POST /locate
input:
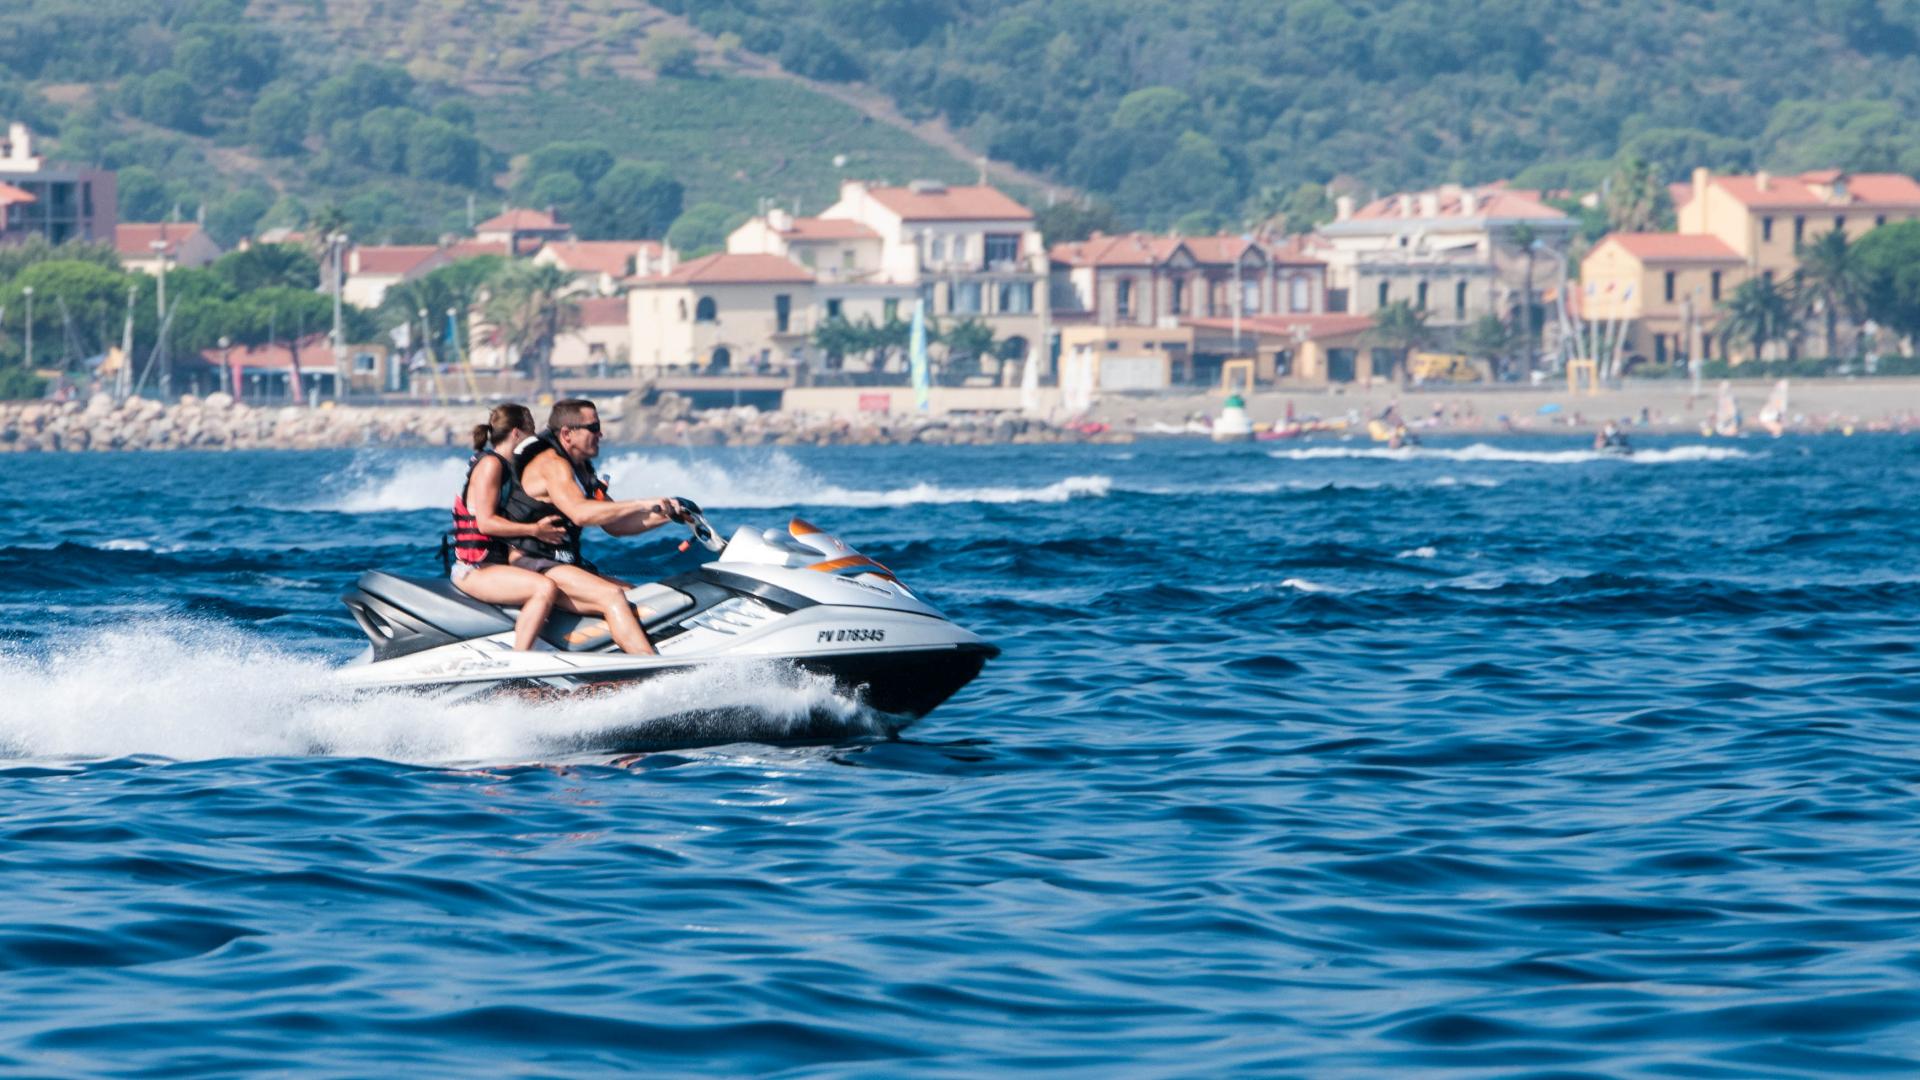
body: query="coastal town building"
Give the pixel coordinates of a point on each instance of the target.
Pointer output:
(1764, 218)
(724, 312)
(1455, 252)
(1662, 290)
(145, 246)
(603, 267)
(522, 232)
(58, 203)
(601, 343)
(1146, 280)
(372, 269)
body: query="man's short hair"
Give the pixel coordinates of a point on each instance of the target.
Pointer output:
(569, 412)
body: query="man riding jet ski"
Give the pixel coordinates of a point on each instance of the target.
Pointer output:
(795, 595)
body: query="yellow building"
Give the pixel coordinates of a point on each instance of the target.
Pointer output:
(1666, 289)
(1764, 218)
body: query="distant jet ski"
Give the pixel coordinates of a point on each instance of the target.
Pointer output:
(795, 595)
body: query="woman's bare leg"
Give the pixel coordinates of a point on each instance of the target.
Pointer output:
(594, 594)
(509, 585)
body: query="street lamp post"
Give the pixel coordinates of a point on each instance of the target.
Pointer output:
(28, 293)
(226, 367)
(166, 360)
(337, 245)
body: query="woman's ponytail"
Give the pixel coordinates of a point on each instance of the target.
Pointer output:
(480, 435)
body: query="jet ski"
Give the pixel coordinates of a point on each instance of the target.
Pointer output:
(796, 595)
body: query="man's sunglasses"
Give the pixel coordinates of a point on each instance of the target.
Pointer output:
(593, 427)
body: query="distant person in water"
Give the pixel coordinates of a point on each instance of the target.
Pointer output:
(1610, 437)
(481, 534)
(556, 476)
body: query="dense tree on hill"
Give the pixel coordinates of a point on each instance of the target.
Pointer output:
(1889, 261)
(703, 229)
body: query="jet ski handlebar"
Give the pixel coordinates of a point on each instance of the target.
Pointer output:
(697, 524)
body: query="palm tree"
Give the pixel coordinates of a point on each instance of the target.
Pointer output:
(1524, 237)
(458, 287)
(1401, 327)
(1491, 340)
(1830, 281)
(1635, 196)
(1758, 313)
(531, 307)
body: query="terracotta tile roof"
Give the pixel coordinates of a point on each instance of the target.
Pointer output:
(1294, 252)
(521, 220)
(398, 259)
(316, 353)
(1313, 326)
(726, 268)
(1490, 201)
(135, 240)
(1865, 190)
(816, 228)
(955, 203)
(615, 257)
(1672, 247)
(603, 311)
(469, 249)
(11, 194)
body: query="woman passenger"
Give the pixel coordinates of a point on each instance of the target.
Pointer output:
(479, 532)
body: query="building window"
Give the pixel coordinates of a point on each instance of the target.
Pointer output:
(1839, 223)
(1003, 249)
(706, 310)
(939, 249)
(782, 313)
(1799, 230)
(1178, 292)
(1016, 298)
(1714, 287)
(1384, 293)
(1250, 297)
(963, 298)
(1879, 220)
(1669, 286)
(833, 309)
(846, 258)
(1123, 296)
(890, 311)
(806, 257)
(1420, 296)
(1302, 294)
(1768, 275)
(1766, 230)
(1459, 299)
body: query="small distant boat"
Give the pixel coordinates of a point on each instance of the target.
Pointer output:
(1773, 415)
(1726, 413)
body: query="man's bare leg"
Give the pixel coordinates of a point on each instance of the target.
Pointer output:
(591, 594)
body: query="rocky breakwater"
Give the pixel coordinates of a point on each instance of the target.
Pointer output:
(669, 420)
(217, 422)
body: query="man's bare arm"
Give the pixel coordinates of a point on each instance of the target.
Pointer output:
(549, 478)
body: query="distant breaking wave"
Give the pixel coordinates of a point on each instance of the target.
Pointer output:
(776, 481)
(1484, 452)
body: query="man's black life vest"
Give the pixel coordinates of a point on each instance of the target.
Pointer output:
(522, 507)
(470, 545)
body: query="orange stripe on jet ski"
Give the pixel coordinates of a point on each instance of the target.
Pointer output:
(848, 563)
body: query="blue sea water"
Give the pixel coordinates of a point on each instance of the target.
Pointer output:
(1492, 758)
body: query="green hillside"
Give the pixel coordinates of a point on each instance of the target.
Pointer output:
(1198, 112)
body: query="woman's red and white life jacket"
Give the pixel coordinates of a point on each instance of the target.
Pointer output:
(470, 545)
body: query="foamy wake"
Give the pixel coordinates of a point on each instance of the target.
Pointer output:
(1484, 452)
(776, 480)
(194, 691)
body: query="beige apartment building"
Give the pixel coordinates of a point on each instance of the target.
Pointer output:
(725, 312)
(1765, 218)
(1665, 288)
(1451, 251)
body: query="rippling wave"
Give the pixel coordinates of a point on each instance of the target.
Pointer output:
(1482, 758)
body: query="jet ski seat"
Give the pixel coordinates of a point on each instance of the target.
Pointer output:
(403, 615)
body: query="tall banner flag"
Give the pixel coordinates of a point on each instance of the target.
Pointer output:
(917, 353)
